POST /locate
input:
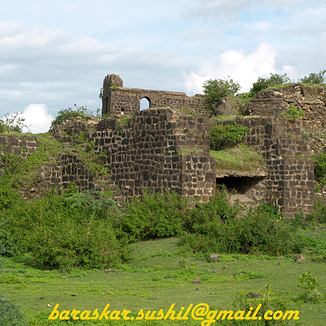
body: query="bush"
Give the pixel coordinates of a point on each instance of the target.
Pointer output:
(261, 230)
(65, 114)
(155, 216)
(12, 123)
(293, 113)
(10, 314)
(320, 168)
(272, 81)
(226, 136)
(61, 235)
(314, 78)
(216, 90)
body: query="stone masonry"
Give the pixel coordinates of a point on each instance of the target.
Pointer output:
(165, 148)
(158, 149)
(118, 100)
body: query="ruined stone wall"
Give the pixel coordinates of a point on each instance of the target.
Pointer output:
(22, 145)
(117, 100)
(290, 175)
(56, 173)
(311, 99)
(158, 149)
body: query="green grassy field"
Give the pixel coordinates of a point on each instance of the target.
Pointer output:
(157, 277)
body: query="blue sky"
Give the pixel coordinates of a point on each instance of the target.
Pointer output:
(54, 54)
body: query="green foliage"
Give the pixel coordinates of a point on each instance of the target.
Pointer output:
(271, 81)
(65, 114)
(64, 231)
(244, 302)
(317, 216)
(306, 281)
(292, 114)
(240, 158)
(154, 216)
(314, 78)
(320, 168)
(92, 200)
(216, 90)
(12, 123)
(113, 88)
(10, 314)
(124, 121)
(100, 95)
(226, 136)
(261, 231)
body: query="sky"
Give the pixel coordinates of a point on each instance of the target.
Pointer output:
(54, 54)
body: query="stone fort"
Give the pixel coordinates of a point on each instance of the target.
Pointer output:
(166, 147)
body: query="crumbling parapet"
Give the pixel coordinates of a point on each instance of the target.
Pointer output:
(118, 100)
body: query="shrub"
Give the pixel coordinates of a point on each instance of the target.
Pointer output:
(216, 90)
(61, 235)
(226, 136)
(261, 230)
(263, 83)
(12, 123)
(10, 314)
(244, 302)
(314, 78)
(154, 216)
(65, 114)
(293, 113)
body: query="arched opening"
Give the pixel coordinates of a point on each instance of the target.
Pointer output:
(144, 104)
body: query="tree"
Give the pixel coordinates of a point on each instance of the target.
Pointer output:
(314, 78)
(216, 90)
(263, 83)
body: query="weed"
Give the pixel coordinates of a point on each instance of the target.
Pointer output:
(293, 113)
(307, 282)
(190, 150)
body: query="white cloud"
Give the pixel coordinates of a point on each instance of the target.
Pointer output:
(37, 118)
(59, 69)
(241, 67)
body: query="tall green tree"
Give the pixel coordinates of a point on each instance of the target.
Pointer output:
(216, 90)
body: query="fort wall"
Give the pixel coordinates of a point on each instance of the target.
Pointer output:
(118, 100)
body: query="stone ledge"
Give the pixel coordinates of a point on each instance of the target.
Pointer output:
(234, 173)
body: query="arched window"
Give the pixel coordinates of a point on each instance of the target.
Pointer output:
(144, 103)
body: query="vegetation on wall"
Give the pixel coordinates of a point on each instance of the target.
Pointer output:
(292, 114)
(65, 114)
(271, 81)
(320, 168)
(314, 78)
(216, 90)
(239, 158)
(226, 135)
(12, 123)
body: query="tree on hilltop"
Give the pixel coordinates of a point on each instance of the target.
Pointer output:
(216, 90)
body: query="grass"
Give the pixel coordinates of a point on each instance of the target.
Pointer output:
(155, 278)
(48, 151)
(240, 158)
(225, 117)
(190, 150)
